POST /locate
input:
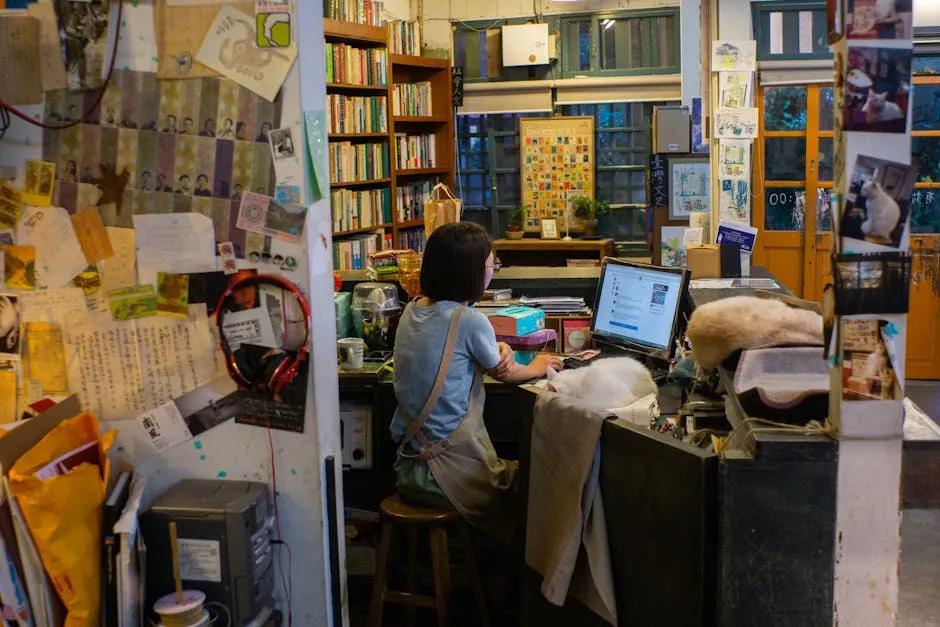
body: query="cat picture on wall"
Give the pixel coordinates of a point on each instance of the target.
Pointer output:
(869, 355)
(877, 202)
(876, 89)
(879, 19)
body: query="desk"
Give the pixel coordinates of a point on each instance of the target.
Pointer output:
(531, 251)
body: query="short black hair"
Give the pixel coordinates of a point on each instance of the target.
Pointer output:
(453, 266)
(203, 176)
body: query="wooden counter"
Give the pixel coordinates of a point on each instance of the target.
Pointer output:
(530, 251)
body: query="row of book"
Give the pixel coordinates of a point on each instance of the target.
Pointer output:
(353, 253)
(415, 239)
(415, 151)
(413, 99)
(356, 66)
(359, 209)
(351, 162)
(410, 200)
(404, 37)
(367, 12)
(357, 114)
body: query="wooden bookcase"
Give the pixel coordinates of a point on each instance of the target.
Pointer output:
(440, 123)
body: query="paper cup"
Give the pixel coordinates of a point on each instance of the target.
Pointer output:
(351, 352)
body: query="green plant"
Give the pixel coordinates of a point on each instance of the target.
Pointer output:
(602, 208)
(516, 216)
(583, 207)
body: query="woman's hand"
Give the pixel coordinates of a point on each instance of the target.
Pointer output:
(544, 361)
(506, 361)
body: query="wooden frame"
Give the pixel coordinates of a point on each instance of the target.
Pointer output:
(702, 167)
(545, 143)
(548, 228)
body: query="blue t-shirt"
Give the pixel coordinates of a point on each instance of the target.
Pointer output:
(419, 345)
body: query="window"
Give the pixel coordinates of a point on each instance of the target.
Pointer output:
(622, 43)
(925, 148)
(489, 162)
(795, 29)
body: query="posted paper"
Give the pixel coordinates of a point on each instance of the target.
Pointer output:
(740, 234)
(52, 305)
(52, 67)
(230, 49)
(734, 56)
(736, 123)
(164, 427)
(121, 269)
(59, 256)
(252, 326)
(123, 369)
(261, 214)
(92, 235)
(734, 159)
(173, 242)
(734, 89)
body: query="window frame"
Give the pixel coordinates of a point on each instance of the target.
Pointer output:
(761, 7)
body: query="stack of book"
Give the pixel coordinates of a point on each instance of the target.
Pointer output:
(404, 38)
(413, 239)
(356, 114)
(359, 209)
(367, 12)
(557, 305)
(415, 151)
(353, 253)
(412, 99)
(357, 162)
(356, 66)
(410, 199)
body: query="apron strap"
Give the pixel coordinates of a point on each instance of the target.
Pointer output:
(414, 427)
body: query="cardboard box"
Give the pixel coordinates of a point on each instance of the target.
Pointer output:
(704, 261)
(672, 130)
(517, 320)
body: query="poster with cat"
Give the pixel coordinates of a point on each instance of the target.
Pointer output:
(869, 360)
(877, 92)
(877, 202)
(879, 19)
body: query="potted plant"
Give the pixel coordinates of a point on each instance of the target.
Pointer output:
(514, 227)
(587, 210)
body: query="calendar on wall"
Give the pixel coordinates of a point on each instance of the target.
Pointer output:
(557, 165)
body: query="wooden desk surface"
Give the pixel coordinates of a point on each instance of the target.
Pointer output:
(536, 244)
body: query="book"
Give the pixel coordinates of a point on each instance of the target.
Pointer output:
(113, 507)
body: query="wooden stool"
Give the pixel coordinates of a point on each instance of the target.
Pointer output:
(395, 512)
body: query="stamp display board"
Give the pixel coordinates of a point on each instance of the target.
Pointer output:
(557, 165)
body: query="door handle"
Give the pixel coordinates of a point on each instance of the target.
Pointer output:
(812, 165)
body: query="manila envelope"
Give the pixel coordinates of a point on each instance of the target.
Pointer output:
(180, 31)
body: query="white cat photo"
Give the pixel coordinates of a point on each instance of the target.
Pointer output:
(881, 212)
(878, 201)
(606, 384)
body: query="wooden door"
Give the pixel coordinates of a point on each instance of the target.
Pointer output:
(923, 321)
(791, 180)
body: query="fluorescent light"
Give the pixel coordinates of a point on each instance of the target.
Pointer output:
(608, 23)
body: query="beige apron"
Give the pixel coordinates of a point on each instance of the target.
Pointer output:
(480, 486)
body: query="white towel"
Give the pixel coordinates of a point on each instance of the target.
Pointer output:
(566, 532)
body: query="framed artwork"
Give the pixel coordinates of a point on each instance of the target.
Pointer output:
(549, 228)
(688, 186)
(576, 334)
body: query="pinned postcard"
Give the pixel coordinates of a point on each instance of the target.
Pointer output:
(172, 294)
(11, 206)
(734, 201)
(227, 253)
(132, 302)
(252, 326)
(285, 152)
(261, 214)
(734, 159)
(734, 89)
(164, 427)
(274, 29)
(92, 235)
(740, 234)
(734, 56)
(692, 237)
(37, 188)
(59, 256)
(736, 123)
(19, 267)
(230, 49)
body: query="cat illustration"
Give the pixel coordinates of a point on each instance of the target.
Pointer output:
(881, 211)
(607, 384)
(879, 109)
(876, 364)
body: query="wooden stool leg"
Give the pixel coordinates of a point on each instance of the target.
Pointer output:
(478, 591)
(381, 576)
(412, 582)
(441, 561)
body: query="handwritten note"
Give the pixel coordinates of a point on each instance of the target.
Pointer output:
(173, 242)
(92, 236)
(52, 305)
(229, 48)
(123, 369)
(20, 76)
(59, 257)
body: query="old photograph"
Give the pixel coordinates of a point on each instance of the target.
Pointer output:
(85, 29)
(878, 201)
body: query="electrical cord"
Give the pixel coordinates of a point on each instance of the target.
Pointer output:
(228, 614)
(6, 109)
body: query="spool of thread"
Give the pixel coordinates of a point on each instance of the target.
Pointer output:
(191, 612)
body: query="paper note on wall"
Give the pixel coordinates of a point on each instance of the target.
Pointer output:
(50, 47)
(7, 396)
(121, 269)
(45, 357)
(92, 236)
(229, 48)
(180, 31)
(52, 305)
(164, 427)
(59, 257)
(123, 369)
(137, 45)
(252, 326)
(20, 80)
(173, 242)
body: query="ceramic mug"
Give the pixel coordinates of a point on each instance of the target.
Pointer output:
(351, 352)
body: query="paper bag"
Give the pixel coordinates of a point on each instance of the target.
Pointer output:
(443, 208)
(63, 514)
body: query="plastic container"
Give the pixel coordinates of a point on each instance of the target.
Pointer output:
(376, 310)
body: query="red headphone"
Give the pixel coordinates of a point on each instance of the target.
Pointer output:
(278, 368)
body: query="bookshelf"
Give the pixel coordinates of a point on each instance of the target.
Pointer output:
(391, 135)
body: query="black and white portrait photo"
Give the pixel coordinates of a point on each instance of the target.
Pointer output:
(84, 27)
(9, 325)
(282, 143)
